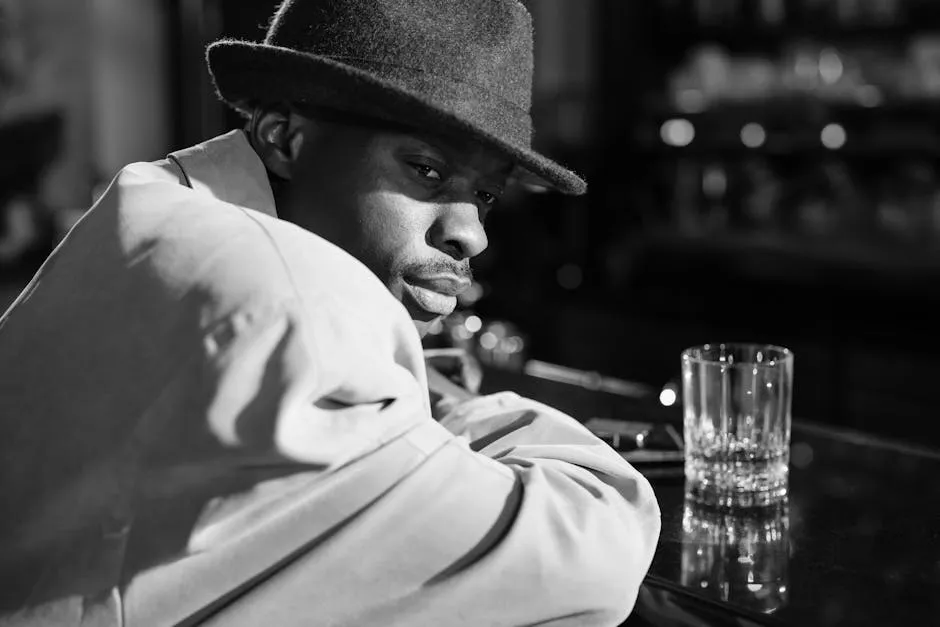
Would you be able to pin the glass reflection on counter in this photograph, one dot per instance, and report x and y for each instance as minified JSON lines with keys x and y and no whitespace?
{"x":737,"y":556}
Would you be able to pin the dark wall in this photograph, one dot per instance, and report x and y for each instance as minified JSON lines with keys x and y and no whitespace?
{"x":843,"y":271}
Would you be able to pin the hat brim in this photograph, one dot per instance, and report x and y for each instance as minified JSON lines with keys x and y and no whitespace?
{"x":245,"y":73}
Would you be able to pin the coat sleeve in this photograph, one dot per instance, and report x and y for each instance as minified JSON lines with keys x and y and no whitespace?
{"x":298,"y":446}
{"x":590,"y":506}
{"x":388,"y":517}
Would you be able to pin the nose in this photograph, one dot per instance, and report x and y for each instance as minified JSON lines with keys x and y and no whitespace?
{"x":458,"y":231}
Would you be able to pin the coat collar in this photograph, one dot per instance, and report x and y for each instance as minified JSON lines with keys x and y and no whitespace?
{"x":227,"y":168}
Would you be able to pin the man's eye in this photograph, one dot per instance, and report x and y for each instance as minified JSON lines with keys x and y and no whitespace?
{"x":487,"y":198}
{"x":426,"y":171}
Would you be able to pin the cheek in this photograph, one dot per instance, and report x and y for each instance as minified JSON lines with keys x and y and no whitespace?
{"x":393,"y":229}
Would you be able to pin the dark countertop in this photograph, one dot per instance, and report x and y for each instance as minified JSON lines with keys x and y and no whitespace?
{"x":857,"y":542}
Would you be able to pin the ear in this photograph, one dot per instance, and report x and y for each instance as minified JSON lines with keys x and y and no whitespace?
{"x":277,"y":135}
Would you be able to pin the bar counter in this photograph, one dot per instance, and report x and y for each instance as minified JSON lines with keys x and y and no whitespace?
{"x":856,"y":543}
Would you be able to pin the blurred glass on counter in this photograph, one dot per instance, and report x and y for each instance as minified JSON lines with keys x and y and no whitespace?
{"x":502,"y":344}
{"x":740,"y":557}
{"x":497,"y":343}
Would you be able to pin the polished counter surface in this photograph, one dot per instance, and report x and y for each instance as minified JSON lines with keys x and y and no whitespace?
{"x":856,"y":543}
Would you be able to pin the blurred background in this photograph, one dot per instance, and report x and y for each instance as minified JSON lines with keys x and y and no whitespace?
{"x":760,"y":170}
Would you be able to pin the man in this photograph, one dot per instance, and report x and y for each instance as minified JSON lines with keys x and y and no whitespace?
{"x":215,"y":406}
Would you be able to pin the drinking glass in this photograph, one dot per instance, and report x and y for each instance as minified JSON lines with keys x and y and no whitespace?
{"x":736,"y":418}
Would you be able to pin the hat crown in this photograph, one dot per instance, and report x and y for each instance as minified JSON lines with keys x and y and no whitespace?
{"x":456,"y":67}
{"x":483,"y":43}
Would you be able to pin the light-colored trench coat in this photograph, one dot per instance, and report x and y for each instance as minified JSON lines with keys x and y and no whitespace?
{"x":210,"y":414}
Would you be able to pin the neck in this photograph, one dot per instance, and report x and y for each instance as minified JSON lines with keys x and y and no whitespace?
{"x":280,"y":187}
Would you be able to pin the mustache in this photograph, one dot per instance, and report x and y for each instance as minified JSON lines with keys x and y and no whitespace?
{"x":460,"y":269}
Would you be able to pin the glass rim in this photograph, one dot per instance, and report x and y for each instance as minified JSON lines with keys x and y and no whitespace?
{"x":785,"y":355}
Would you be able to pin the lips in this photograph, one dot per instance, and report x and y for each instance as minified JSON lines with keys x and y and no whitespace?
{"x":431,"y":296}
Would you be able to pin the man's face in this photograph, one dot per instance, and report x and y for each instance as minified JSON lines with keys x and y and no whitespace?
{"x":409,"y":206}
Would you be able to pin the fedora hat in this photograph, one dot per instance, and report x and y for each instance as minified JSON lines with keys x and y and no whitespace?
{"x":459,"y":66}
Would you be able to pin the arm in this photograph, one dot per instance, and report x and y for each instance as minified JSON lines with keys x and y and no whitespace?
{"x":536,"y":516}
{"x":386,"y":517}
{"x":578,"y":528}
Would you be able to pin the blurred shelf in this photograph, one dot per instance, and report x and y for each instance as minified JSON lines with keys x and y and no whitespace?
{"x":795,"y":150}
{"x":794,"y":126}
{"x":928,"y":149}
{"x":751,"y":37}
{"x":799,"y":105}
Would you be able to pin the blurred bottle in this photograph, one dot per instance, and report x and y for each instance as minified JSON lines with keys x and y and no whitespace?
{"x":823,"y":202}
{"x":850,"y":214}
{"x":799,"y":71}
{"x":924,"y":56}
{"x":686,"y":196}
{"x":715,"y":192}
{"x":710,"y":71}
{"x":762,"y":193}
{"x":893,"y":222}
{"x":702,"y":80}
{"x":905,"y":201}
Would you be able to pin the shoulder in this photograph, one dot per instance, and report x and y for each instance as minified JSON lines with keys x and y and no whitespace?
{"x":179,"y":239}
{"x":225,"y":255}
